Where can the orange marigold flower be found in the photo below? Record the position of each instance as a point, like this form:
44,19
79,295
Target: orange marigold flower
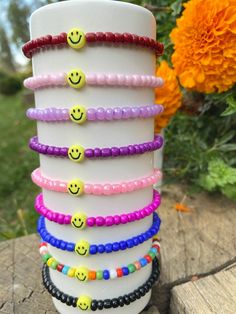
169,95
205,45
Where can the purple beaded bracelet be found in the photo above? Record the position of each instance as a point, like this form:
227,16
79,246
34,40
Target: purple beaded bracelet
77,153
80,114
80,220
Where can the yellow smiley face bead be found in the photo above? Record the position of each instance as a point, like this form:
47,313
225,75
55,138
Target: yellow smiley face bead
76,78
84,303
82,274
76,38
82,248
76,153
78,221
78,114
75,187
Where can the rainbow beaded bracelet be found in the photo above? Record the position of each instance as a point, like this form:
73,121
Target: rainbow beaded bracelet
77,153
83,248
81,221
80,114
84,274
85,302
77,39
77,79
77,187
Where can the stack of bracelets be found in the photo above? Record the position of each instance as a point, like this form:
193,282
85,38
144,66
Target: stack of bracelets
80,114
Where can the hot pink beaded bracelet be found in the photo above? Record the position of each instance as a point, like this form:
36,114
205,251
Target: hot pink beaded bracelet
77,153
76,79
76,187
76,39
79,114
81,221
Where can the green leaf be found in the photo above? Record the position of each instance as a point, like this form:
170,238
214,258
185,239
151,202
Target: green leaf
227,147
230,191
207,182
231,109
226,138
176,7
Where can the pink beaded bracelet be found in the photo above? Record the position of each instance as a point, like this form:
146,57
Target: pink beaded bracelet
76,187
77,79
77,39
81,221
77,153
79,114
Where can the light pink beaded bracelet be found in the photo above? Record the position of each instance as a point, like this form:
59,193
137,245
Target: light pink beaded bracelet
80,220
77,187
77,79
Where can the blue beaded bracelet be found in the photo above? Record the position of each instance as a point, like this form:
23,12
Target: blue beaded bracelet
83,248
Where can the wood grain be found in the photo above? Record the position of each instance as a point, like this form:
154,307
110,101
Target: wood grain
200,242
212,294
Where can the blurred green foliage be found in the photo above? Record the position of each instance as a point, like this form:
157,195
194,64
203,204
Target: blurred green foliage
17,192
10,84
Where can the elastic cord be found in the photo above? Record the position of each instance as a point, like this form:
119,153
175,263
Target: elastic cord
83,248
81,221
87,303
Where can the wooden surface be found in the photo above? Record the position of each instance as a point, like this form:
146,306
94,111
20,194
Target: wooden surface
201,243
212,294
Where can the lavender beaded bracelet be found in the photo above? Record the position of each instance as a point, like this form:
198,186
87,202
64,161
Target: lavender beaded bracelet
81,221
77,153
80,114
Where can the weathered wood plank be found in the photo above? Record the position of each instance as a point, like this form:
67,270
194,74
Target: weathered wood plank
21,290
197,243
6,278
212,294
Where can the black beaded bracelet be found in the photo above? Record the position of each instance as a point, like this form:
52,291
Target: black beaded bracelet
86,303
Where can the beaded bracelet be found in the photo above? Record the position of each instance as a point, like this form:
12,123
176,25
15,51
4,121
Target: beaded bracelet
76,39
81,221
85,302
83,248
80,114
77,79
77,187
77,153
84,274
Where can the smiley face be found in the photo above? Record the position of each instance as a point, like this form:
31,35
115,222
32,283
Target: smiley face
82,248
75,187
84,302
79,220
76,153
78,114
76,38
81,274
76,78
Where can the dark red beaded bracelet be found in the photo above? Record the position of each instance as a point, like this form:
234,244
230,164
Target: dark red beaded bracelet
76,39
77,153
